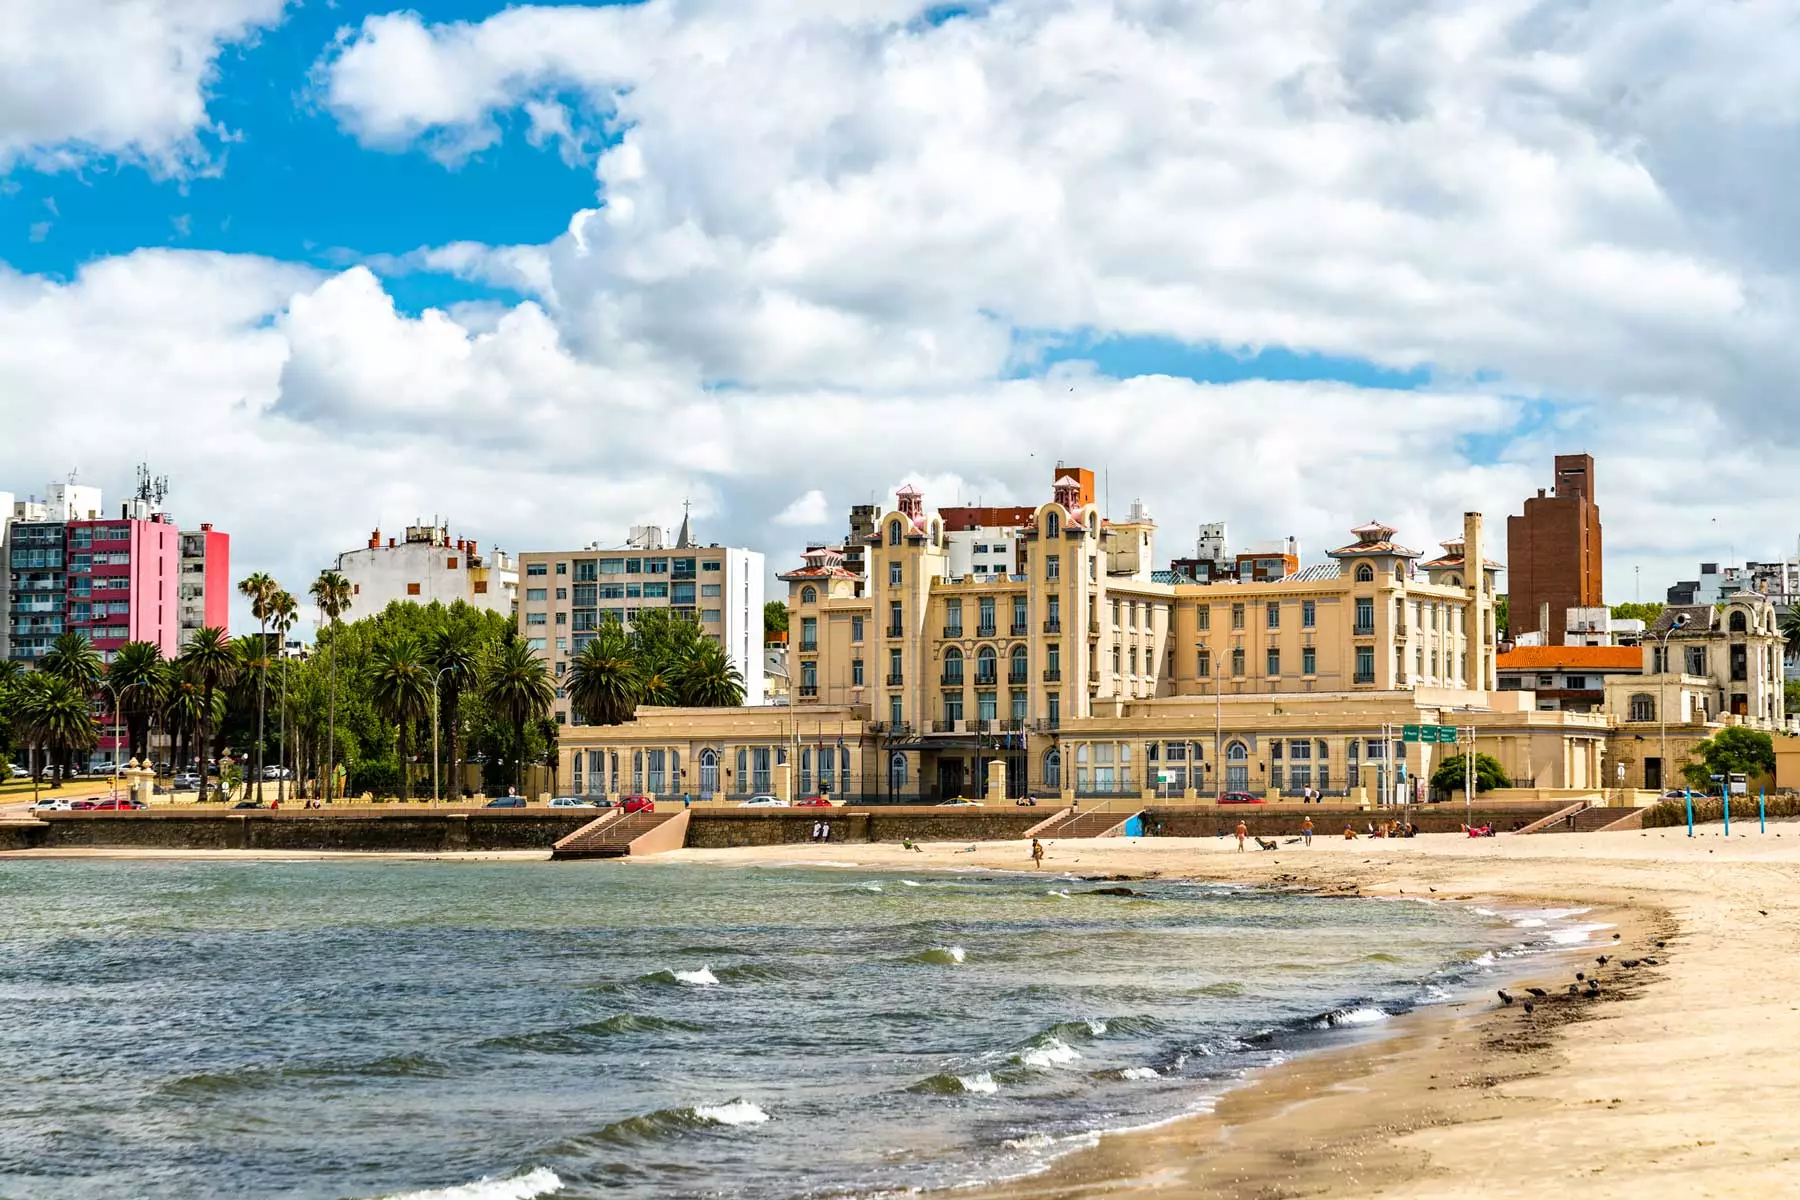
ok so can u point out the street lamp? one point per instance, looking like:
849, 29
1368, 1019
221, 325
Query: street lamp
436, 688
1662, 693
114, 690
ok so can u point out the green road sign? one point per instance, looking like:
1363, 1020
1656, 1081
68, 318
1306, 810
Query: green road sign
1429, 733
1410, 733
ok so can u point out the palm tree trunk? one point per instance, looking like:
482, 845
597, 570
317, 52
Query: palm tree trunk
331, 729
281, 746
519, 757
454, 791
262, 692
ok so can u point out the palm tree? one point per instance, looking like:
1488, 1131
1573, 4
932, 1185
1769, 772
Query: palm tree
137, 680
57, 718
211, 662
71, 656
400, 687
455, 659
283, 612
604, 682
261, 591
709, 680
517, 690
331, 592
1790, 632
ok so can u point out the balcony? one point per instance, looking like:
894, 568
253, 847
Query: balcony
946, 727
895, 680
986, 678
952, 679
1093, 626
953, 633
1018, 677
1052, 674
1053, 625
809, 646
895, 631
1018, 629
808, 690
1046, 724
1363, 630
1364, 677
988, 630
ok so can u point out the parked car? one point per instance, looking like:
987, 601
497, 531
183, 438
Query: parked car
636, 804
50, 804
960, 804
248, 804
18, 772
187, 781
119, 804
764, 802
506, 802
276, 772
813, 802
572, 802
1240, 798
83, 805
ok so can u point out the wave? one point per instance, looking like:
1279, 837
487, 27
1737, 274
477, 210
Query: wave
1051, 1052
870, 887
1226, 988
1063, 894
701, 978
250, 1078
1336, 1018
1575, 935
1140, 1073
909, 883
673, 1122
944, 956
950, 1084
539, 1182
578, 1038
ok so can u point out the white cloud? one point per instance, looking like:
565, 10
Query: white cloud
79, 78
810, 509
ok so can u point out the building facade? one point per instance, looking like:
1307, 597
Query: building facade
204, 593
1553, 553
427, 566
1567, 678
567, 594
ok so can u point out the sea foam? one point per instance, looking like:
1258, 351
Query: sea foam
1052, 1052
541, 1181
737, 1112
701, 978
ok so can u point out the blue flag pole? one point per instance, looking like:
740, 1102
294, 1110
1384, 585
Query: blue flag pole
1725, 802
1762, 810
1688, 794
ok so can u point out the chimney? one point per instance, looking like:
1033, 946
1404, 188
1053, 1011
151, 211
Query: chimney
374, 539
390, 543
1482, 673
206, 527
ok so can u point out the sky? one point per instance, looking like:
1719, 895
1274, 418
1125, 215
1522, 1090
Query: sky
546, 272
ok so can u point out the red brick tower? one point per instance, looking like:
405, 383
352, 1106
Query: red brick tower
1553, 553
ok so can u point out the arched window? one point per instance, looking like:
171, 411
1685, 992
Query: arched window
709, 772
1237, 752
893, 533
1365, 573
953, 666
1738, 623
1237, 767
1021, 665
897, 772
1456, 581
987, 665
1643, 707
1400, 571
1052, 525
1053, 768
936, 535
809, 595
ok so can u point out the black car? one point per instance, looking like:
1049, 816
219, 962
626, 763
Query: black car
247, 804
506, 802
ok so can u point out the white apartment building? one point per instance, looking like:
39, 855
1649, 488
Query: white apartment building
568, 593
428, 565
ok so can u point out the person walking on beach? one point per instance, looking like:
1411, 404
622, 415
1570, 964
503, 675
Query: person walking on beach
1306, 831
1037, 853
1243, 831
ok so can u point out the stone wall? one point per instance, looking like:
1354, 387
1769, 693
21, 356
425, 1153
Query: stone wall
22, 834
316, 829
1328, 820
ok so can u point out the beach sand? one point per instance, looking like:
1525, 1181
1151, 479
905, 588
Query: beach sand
1677, 1082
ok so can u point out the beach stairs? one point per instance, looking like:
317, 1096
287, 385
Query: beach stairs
617, 835
1580, 817
1076, 824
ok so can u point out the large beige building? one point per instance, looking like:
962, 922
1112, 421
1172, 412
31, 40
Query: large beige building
1070, 658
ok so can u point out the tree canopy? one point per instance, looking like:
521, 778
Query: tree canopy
1734, 749
1489, 774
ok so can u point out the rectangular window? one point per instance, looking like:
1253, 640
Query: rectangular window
1132, 658
1055, 709
895, 712
1203, 663
1053, 566
987, 706
1272, 614
896, 572
584, 570
536, 594
562, 568
1018, 617
633, 566
1237, 616
656, 566
656, 591
1274, 662
953, 617
1203, 617
612, 566
1018, 696
707, 590
1365, 615
1365, 664
986, 612
1309, 661
1577, 682
1117, 659
1309, 614
535, 618
809, 633
895, 621
893, 667
1237, 662
612, 591
1053, 658
585, 594
953, 710
856, 672
535, 569
709, 616
534, 643
683, 593
1131, 610
713, 565
412, 589
856, 629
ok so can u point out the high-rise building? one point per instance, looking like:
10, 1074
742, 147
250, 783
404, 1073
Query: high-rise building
1553, 553
568, 593
428, 566
205, 589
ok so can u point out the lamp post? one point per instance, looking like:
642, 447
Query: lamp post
1662, 693
436, 688
115, 691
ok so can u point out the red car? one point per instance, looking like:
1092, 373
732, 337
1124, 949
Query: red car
813, 802
122, 804
1240, 798
634, 804
83, 805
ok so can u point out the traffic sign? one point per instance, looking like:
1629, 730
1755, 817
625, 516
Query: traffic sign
1429, 733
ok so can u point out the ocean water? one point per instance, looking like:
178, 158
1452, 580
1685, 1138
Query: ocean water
486, 1030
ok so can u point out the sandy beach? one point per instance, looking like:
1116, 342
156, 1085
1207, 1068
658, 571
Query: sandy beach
1675, 1082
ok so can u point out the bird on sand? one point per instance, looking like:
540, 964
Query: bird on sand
1528, 1006
1628, 963
1505, 996
1660, 945
1601, 960
1580, 975
1650, 962
1540, 993
1574, 989
1763, 911
1615, 937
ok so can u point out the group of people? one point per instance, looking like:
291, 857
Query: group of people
821, 831
1386, 829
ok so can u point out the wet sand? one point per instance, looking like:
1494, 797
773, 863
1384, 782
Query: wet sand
1677, 1082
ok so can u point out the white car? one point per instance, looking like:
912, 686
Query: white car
960, 804
49, 805
764, 802
275, 772
571, 802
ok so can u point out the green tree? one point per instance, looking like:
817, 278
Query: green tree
283, 612
211, 661
72, 657
1734, 749
775, 619
1489, 774
517, 689
331, 592
1502, 619
261, 591
1790, 692
57, 719
603, 680
1790, 633
1633, 611
400, 686
707, 679
453, 651
138, 681
10, 674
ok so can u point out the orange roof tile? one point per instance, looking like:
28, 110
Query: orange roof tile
1586, 658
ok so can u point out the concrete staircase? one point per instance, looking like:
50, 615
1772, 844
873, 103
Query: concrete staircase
1089, 825
614, 835
1581, 818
